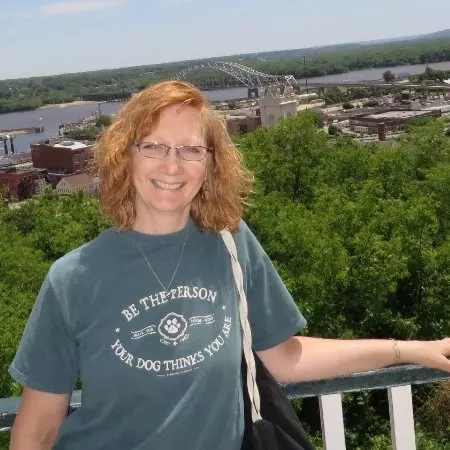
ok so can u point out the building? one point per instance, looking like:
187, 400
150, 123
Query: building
307, 98
337, 115
20, 182
82, 181
12, 160
388, 121
40, 185
242, 124
63, 157
277, 103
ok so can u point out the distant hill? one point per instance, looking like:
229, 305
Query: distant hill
298, 53
444, 34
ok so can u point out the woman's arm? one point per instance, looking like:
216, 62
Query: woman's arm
305, 358
38, 421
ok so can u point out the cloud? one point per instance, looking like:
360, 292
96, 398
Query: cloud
177, 2
78, 6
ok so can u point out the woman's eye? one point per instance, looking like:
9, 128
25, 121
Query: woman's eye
192, 149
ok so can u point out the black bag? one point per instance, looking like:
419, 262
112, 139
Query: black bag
280, 428
270, 420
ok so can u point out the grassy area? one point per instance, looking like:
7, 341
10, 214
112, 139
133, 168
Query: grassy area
4, 441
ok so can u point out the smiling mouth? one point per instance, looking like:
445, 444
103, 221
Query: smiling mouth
167, 186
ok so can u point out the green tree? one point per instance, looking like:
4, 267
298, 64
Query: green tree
333, 95
333, 130
103, 121
23, 269
388, 76
284, 159
371, 103
89, 133
57, 224
428, 142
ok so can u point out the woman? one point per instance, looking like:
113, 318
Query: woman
146, 314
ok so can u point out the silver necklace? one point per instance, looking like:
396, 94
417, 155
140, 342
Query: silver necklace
166, 290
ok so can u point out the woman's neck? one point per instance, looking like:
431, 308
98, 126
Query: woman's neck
160, 225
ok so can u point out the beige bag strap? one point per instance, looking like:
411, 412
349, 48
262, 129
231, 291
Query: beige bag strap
252, 387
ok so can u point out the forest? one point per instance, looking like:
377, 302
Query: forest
360, 234
31, 93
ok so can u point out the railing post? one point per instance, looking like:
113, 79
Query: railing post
332, 419
402, 418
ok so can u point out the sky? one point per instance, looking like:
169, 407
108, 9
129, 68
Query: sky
57, 36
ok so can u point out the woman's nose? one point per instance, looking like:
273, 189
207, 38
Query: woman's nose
172, 161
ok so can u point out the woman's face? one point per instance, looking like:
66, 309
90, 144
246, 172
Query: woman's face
166, 187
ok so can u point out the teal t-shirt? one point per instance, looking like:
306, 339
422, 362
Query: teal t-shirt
159, 370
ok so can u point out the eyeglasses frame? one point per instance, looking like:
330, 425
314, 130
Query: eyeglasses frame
168, 148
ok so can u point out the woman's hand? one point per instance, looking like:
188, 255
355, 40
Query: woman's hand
431, 354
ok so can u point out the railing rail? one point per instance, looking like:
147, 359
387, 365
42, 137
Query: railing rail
397, 380
375, 379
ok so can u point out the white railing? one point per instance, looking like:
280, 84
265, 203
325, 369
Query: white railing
397, 380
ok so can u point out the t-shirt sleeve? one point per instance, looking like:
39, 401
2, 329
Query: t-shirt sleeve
273, 313
46, 359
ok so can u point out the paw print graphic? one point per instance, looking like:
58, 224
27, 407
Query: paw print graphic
172, 326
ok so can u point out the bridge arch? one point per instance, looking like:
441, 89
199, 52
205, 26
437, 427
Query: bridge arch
251, 78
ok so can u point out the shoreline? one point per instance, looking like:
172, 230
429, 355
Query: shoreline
68, 104
310, 79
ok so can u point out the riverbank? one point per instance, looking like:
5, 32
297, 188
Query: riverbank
22, 131
66, 105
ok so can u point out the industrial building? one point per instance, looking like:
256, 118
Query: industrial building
393, 121
63, 157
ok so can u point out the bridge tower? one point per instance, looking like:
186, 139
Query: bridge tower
253, 92
276, 103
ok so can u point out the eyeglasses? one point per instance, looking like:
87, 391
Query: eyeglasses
186, 152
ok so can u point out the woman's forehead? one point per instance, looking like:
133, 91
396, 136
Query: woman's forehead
176, 121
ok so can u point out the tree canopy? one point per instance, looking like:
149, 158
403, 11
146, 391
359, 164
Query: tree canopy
361, 236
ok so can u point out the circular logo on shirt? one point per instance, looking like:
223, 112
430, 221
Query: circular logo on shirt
173, 327
172, 330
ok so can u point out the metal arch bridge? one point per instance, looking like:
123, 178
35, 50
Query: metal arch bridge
246, 75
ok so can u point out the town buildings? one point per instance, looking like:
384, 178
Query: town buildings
20, 182
69, 165
25, 175
393, 121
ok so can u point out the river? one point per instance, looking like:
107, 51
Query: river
50, 118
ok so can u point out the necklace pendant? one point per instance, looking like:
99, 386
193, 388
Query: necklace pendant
166, 290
